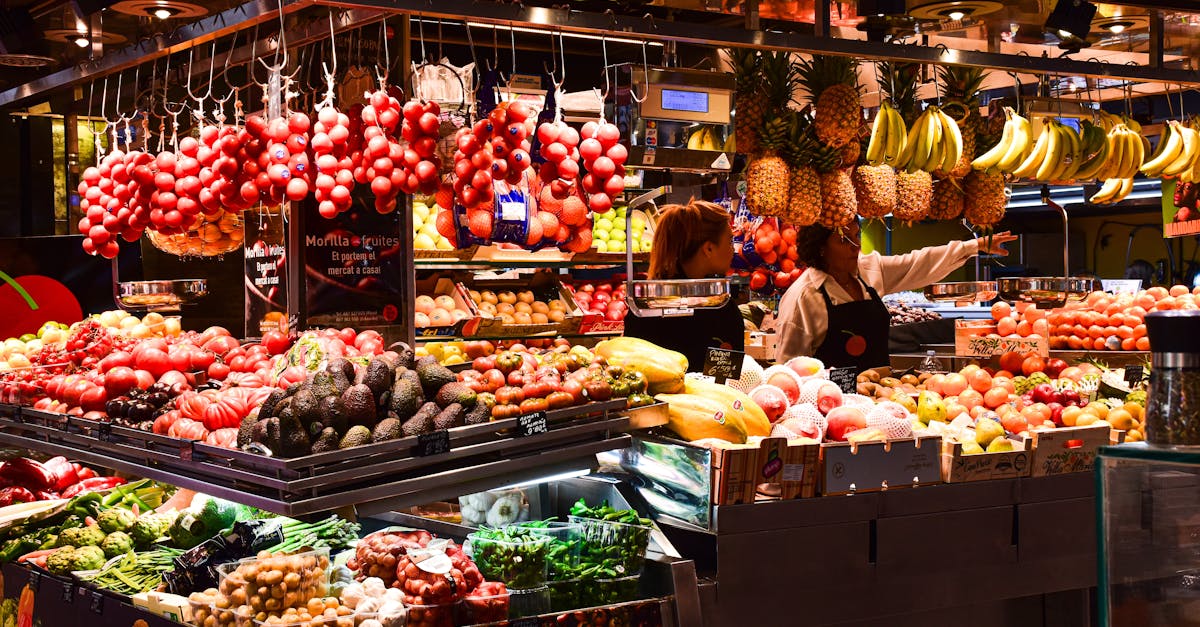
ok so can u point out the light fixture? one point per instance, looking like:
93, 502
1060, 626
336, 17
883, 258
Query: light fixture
955, 10
82, 41
163, 13
1071, 19
1116, 28
161, 9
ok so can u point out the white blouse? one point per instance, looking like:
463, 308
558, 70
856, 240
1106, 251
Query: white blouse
803, 321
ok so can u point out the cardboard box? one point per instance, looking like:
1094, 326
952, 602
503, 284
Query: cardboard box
959, 468
791, 465
438, 286
761, 345
847, 468
545, 288
977, 338
1066, 450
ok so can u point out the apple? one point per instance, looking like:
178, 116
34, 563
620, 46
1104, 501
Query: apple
1043, 393
1054, 367
1056, 410
844, 420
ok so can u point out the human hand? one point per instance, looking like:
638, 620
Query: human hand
994, 244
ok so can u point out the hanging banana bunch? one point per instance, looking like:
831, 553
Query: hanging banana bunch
934, 142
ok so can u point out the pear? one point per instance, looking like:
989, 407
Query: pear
987, 430
930, 407
1000, 445
971, 448
907, 401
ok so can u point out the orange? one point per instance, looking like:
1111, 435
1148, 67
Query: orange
970, 399
1158, 293
979, 380
1011, 362
995, 397
1032, 364
1001, 310
1041, 327
1014, 422
1179, 290
969, 369
1006, 326
1095, 331
1166, 303
1069, 414
954, 384
1071, 372
1134, 410
1128, 344
1120, 419
1099, 344
1024, 328
1033, 313
1095, 297
1055, 318
954, 410
1085, 419
1074, 343
1139, 331
934, 383
1143, 343
1003, 383
1099, 409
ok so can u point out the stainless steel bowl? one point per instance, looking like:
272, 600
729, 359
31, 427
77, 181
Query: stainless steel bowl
160, 295
678, 294
1047, 291
964, 293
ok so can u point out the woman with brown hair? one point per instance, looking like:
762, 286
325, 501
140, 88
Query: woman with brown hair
834, 312
692, 241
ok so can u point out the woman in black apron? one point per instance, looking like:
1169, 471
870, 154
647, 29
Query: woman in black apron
692, 241
834, 312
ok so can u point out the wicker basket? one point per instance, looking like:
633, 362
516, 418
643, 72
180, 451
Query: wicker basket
214, 235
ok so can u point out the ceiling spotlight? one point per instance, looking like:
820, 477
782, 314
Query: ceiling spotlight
163, 13
1116, 29
1071, 18
82, 41
954, 15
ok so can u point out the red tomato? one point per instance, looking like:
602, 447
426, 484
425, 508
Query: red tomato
221, 344
275, 343
119, 381
218, 371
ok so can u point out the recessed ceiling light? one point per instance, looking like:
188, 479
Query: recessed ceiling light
161, 9
956, 15
82, 41
163, 13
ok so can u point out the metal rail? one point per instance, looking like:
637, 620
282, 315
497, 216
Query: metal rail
258, 11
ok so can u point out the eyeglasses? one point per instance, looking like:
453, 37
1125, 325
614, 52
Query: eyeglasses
853, 241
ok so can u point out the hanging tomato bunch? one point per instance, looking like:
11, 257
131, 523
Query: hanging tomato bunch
604, 159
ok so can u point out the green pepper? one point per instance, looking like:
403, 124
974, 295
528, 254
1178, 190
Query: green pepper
512, 555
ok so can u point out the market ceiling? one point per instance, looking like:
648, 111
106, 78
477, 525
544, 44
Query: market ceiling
50, 45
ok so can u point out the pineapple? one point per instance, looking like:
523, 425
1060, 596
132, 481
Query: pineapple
986, 198
832, 84
875, 190
962, 103
914, 192
749, 100
804, 187
839, 205
767, 175
850, 153
947, 202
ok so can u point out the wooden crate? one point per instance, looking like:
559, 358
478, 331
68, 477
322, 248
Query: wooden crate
959, 468
848, 468
1066, 450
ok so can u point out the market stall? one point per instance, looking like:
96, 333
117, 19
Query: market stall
366, 359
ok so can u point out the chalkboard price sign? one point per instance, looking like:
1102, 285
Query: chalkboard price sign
845, 378
723, 363
532, 424
434, 443
1134, 374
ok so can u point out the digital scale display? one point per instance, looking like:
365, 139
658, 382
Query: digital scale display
679, 100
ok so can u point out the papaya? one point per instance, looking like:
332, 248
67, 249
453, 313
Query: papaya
663, 368
696, 417
755, 419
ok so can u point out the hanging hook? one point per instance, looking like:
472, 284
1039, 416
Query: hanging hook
645, 77
382, 77
421, 38
474, 61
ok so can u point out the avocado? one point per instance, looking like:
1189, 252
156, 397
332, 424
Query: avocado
433, 376
387, 429
360, 405
268, 406
408, 374
266, 432
342, 372
358, 435
405, 353
422, 421
293, 438
407, 397
305, 408
323, 386
295, 387
333, 413
478, 414
327, 441
378, 376
452, 416
455, 393
283, 405
246, 431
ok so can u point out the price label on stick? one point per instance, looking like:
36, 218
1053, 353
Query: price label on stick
532, 424
434, 443
723, 363
845, 378
1134, 374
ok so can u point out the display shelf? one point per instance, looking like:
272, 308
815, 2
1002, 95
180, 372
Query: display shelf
387, 474
492, 338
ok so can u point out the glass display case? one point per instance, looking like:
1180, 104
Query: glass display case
1149, 535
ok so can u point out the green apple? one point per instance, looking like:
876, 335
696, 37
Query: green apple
647, 245
603, 224
616, 246
424, 242
639, 224
600, 245
610, 214
616, 235
619, 223
420, 210
621, 211
601, 235
430, 229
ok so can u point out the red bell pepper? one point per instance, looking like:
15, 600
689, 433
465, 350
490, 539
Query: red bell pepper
95, 484
83, 472
28, 474
65, 470
46, 495
14, 494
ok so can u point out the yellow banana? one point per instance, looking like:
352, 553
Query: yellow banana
1029, 166
954, 147
879, 130
920, 143
1113, 161
1091, 167
1110, 188
910, 147
1126, 187
1191, 145
897, 136
992, 157
1172, 146
1054, 152
936, 146
1073, 153
1021, 145
1139, 144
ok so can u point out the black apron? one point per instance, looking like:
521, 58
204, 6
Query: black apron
858, 332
